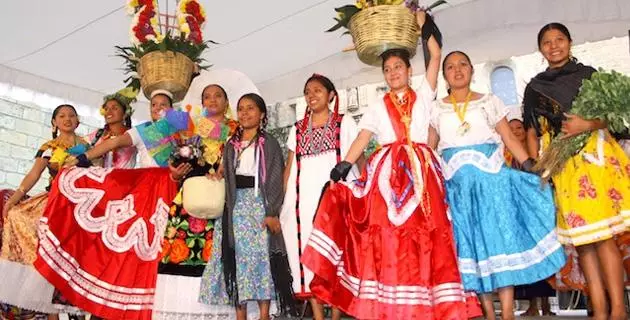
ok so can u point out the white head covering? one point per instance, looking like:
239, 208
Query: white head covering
161, 91
515, 113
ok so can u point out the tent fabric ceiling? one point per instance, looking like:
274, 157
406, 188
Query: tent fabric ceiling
65, 47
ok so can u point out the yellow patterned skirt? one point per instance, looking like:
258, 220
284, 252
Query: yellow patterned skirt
593, 192
19, 241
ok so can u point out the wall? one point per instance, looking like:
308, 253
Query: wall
24, 127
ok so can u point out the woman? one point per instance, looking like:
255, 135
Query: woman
316, 144
248, 237
503, 220
22, 286
593, 189
541, 289
188, 240
386, 237
117, 112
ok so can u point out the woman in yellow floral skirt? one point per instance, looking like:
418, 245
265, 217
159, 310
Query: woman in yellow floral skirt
593, 190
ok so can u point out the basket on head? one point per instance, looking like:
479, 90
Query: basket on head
168, 70
377, 29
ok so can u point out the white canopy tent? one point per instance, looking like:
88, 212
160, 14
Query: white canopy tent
65, 48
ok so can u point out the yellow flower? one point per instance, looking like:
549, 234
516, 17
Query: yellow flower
361, 4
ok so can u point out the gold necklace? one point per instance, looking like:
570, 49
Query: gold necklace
464, 127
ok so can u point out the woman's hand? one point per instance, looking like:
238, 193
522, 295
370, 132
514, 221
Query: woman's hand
177, 173
9, 205
273, 224
575, 125
217, 175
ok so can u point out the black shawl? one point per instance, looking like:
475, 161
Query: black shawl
551, 93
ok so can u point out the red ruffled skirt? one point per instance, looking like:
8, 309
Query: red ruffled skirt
382, 247
100, 238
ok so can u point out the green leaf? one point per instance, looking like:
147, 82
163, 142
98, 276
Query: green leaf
184, 225
190, 242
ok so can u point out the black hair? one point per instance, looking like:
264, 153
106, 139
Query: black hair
217, 86
553, 26
262, 107
324, 81
170, 101
54, 114
455, 52
403, 54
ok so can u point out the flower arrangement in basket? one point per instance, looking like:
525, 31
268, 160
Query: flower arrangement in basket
605, 96
379, 25
197, 186
168, 60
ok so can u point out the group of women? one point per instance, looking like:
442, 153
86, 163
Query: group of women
433, 222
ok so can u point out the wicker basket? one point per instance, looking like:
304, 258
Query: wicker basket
377, 29
171, 71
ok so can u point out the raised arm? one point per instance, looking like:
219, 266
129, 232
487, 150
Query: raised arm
109, 145
435, 52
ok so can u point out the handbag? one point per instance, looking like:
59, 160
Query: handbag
204, 198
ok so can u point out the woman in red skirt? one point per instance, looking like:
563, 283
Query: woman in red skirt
382, 246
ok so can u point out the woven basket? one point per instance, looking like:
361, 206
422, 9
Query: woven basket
377, 29
171, 71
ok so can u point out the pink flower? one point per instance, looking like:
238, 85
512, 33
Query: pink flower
614, 162
628, 170
575, 220
197, 225
614, 195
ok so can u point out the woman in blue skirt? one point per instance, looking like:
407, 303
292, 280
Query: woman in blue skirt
503, 219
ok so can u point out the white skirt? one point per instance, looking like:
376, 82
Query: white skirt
176, 298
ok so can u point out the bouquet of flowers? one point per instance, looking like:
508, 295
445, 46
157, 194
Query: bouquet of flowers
146, 36
605, 96
191, 151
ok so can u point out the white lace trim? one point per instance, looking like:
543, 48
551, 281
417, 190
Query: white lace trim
511, 262
490, 164
117, 212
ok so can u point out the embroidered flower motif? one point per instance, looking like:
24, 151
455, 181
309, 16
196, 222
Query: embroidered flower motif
181, 234
628, 170
575, 220
613, 161
207, 250
171, 232
197, 225
209, 235
586, 188
179, 251
616, 197
166, 249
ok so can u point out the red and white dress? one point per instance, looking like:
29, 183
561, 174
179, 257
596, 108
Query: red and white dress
382, 247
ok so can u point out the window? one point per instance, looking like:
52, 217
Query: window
503, 85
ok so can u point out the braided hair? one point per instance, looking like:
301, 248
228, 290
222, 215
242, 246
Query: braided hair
330, 87
262, 107
55, 131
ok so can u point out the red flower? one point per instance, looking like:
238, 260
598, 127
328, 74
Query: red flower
197, 225
207, 250
181, 234
179, 251
209, 235
575, 220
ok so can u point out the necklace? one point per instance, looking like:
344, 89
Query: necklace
309, 133
402, 106
464, 127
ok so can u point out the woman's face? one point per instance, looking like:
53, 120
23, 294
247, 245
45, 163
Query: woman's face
457, 71
159, 103
396, 73
66, 120
214, 100
113, 112
249, 116
555, 47
518, 130
317, 96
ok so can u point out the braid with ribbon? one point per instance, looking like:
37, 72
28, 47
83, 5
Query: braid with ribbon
301, 127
